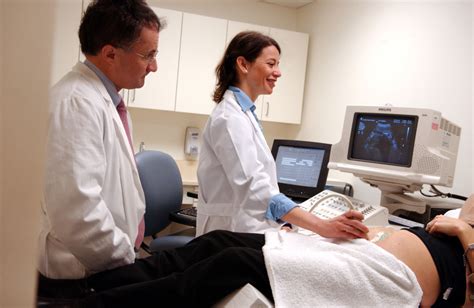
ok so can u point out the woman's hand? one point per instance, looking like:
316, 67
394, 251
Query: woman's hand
346, 226
448, 225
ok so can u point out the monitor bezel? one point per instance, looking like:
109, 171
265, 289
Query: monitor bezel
357, 116
297, 191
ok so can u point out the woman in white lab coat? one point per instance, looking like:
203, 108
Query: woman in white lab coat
238, 189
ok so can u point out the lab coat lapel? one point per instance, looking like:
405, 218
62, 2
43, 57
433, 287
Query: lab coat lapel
256, 127
122, 135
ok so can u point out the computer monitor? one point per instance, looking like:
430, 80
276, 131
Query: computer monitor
301, 167
397, 150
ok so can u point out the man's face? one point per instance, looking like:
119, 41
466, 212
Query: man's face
134, 63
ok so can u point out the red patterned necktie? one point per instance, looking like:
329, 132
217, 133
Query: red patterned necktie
122, 111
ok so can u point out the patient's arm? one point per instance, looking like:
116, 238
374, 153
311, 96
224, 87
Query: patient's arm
454, 227
465, 233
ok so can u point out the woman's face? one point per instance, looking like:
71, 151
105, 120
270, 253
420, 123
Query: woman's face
263, 73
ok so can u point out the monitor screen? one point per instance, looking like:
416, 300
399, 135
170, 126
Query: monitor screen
301, 167
383, 138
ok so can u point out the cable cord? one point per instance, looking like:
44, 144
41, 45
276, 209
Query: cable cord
346, 200
437, 193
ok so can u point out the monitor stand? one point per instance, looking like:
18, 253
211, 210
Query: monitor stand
401, 201
394, 196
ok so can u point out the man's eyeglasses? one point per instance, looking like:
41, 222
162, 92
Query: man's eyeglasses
149, 57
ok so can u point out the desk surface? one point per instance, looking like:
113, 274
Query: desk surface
188, 170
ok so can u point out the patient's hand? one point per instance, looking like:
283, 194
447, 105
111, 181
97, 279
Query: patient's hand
448, 225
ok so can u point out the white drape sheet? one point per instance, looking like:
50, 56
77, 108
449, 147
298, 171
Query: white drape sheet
313, 271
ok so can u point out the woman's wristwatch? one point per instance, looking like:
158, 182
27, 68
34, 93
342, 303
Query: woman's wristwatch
468, 249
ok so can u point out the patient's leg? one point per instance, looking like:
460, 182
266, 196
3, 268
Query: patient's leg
167, 262
200, 285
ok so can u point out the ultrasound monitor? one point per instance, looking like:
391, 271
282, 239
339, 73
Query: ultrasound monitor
397, 150
384, 139
301, 167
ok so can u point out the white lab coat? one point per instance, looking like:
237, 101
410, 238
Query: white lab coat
236, 172
93, 199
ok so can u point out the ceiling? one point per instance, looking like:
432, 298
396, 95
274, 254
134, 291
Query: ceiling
289, 3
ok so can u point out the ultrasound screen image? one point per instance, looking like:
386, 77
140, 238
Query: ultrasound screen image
383, 138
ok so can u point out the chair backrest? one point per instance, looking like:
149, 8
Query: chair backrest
163, 188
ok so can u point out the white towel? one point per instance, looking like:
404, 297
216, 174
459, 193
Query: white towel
313, 271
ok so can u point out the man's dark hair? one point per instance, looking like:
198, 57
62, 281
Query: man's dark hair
115, 22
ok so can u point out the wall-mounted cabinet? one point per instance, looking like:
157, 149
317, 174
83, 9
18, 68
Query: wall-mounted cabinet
65, 40
159, 91
202, 46
190, 47
85, 4
286, 102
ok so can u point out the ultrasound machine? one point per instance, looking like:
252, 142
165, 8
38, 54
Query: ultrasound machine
398, 150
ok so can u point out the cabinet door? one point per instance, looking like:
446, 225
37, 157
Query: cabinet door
65, 40
202, 47
233, 29
85, 4
286, 102
159, 91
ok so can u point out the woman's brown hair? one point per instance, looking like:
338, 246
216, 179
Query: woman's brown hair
248, 44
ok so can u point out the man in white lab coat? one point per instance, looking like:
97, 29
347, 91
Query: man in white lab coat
93, 200
93, 197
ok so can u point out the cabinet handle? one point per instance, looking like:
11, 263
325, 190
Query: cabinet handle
133, 96
268, 109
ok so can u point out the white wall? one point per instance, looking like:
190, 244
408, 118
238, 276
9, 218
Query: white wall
26, 27
165, 130
406, 53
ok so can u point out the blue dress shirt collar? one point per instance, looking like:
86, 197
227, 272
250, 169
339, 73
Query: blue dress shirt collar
242, 99
109, 85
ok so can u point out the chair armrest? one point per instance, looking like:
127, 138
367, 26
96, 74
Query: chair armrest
183, 218
191, 194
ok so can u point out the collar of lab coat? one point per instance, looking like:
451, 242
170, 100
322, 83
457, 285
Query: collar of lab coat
108, 84
229, 96
83, 69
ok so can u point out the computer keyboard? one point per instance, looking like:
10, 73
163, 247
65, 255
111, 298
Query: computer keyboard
190, 211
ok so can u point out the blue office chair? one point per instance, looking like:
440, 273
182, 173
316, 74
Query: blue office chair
163, 188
